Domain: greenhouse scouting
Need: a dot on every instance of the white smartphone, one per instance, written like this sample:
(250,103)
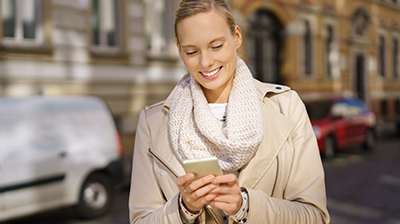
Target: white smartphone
(202,167)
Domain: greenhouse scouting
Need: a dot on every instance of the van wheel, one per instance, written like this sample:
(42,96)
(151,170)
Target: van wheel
(95,197)
(369,143)
(329,148)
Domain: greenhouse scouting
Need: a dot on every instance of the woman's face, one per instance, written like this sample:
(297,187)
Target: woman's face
(208,49)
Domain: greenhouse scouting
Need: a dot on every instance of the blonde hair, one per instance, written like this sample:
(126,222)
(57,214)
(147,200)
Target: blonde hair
(192,7)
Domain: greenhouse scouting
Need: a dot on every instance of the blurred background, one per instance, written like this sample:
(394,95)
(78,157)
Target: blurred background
(123,52)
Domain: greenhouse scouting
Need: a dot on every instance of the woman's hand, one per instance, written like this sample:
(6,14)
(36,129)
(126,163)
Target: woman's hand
(228,196)
(197,193)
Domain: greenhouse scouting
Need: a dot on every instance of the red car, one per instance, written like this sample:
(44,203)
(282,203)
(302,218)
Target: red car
(340,123)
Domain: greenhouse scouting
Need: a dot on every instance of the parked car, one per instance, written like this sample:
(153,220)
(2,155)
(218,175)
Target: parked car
(57,152)
(340,123)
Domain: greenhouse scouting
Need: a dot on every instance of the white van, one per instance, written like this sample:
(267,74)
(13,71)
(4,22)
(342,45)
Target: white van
(57,152)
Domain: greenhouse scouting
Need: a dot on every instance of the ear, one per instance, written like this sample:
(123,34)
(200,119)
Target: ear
(238,37)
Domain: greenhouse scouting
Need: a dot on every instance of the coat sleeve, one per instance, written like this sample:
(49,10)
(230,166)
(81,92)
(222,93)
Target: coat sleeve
(146,201)
(304,197)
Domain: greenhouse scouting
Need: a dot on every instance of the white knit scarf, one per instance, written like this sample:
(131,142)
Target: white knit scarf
(195,132)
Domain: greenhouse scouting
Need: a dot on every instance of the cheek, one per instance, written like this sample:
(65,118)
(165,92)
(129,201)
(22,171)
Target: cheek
(190,63)
(228,55)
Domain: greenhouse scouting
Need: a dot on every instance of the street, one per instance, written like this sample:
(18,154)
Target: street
(365,187)
(362,187)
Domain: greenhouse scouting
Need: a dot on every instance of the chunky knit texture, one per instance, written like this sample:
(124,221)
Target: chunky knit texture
(196,133)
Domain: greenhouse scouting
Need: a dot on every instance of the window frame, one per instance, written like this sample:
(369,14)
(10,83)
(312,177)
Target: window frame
(103,48)
(18,40)
(312,20)
(307,53)
(329,57)
(165,23)
(382,71)
(395,58)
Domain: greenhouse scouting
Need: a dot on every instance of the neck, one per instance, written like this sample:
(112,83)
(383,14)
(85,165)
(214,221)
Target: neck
(220,95)
(217,96)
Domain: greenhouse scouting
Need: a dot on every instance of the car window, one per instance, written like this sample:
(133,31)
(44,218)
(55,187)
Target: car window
(354,107)
(340,109)
(362,105)
(318,110)
(347,108)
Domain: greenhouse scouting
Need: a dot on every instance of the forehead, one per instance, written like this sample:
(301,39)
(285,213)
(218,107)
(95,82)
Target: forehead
(202,28)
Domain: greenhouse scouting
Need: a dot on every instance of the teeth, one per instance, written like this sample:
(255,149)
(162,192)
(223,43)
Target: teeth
(211,73)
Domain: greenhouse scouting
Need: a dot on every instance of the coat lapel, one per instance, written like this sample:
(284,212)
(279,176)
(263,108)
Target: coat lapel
(163,151)
(277,129)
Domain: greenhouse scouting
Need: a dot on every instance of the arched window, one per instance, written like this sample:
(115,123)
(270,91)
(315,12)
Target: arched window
(105,23)
(328,50)
(381,55)
(307,49)
(395,58)
(264,43)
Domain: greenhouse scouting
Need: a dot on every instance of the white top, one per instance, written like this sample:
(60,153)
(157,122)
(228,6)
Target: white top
(219,110)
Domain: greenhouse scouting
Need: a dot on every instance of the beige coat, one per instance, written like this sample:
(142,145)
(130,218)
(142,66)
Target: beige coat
(285,179)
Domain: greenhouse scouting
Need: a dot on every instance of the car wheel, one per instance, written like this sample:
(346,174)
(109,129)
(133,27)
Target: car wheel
(95,197)
(329,148)
(369,140)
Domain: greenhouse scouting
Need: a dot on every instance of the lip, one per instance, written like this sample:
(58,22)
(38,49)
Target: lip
(213,76)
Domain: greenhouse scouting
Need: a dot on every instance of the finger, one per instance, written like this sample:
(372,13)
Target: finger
(229,208)
(205,199)
(196,205)
(194,185)
(226,179)
(227,189)
(230,199)
(183,180)
(202,191)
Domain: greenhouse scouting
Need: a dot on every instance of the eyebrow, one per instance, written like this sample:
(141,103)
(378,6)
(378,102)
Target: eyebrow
(215,40)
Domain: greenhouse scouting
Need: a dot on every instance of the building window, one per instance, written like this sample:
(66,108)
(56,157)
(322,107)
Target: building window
(384,110)
(105,23)
(397,106)
(395,58)
(307,49)
(21,20)
(381,52)
(159,27)
(328,50)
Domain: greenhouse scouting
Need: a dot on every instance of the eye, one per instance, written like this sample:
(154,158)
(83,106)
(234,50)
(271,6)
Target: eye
(191,52)
(217,47)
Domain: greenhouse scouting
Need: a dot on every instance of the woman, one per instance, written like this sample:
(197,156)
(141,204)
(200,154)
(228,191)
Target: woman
(260,133)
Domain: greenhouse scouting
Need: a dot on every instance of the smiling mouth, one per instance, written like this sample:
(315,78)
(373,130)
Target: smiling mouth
(208,74)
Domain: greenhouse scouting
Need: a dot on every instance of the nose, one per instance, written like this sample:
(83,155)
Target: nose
(206,60)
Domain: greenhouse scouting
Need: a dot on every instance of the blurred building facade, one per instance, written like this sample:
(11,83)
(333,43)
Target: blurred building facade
(326,48)
(123,50)
(103,48)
